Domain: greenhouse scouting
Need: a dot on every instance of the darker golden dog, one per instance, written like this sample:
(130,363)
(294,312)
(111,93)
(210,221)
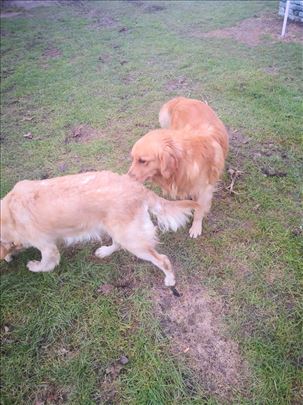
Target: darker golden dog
(186,157)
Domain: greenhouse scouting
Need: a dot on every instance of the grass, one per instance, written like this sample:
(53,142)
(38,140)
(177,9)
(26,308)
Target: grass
(116,63)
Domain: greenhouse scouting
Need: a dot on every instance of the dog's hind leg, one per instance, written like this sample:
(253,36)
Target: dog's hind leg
(161,261)
(139,238)
(104,251)
(204,199)
(50,259)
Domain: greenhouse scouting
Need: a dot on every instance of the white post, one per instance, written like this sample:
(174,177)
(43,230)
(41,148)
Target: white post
(285,18)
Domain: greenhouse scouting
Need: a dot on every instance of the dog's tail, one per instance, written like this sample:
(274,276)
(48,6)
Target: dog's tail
(170,215)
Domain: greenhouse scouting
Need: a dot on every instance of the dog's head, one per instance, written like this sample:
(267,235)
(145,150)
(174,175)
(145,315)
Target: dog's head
(7,244)
(153,155)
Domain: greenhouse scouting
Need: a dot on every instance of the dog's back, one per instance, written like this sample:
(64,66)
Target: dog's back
(65,206)
(190,114)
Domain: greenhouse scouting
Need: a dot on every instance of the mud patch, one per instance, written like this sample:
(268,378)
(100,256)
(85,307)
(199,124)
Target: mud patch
(99,19)
(104,22)
(50,394)
(108,385)
(136,3)
(29,4)
(193,323)
(240,147)
(10,14)
(254,31)
(274,275)
(51,53)
(82,134)
(179,83)
(154,9)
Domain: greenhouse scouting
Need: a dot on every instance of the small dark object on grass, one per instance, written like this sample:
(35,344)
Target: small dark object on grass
(44,176)
(123,360)
(63,167)
(272,172)
(175,292)
(113,371)
(298,231)
(152,9)
(29,135)
(123,284)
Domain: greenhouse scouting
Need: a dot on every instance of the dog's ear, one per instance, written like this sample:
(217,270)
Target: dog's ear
(168,163)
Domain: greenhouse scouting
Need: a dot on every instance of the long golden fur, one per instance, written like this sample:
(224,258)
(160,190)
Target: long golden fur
(186,157)
(86,206)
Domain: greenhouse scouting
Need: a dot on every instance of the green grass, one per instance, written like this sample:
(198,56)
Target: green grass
(117,64)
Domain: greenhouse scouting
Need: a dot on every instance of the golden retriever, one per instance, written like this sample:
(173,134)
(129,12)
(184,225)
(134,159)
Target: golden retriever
(186,157)
(86,206)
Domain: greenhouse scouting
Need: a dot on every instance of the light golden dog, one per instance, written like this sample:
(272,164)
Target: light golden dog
(86,206)
(186,158)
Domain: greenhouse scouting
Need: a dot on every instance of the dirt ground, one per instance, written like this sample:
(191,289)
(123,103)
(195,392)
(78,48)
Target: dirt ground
(253,31)
(194,324)
(29,4)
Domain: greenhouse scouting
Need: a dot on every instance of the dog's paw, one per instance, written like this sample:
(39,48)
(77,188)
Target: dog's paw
(105,251)
(170,280)
(8,258)
(195,230)
(34,265)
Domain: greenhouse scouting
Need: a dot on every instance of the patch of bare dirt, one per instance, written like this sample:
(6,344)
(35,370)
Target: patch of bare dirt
(274,275)
(129,78)
(52,53)
(271,70)
(10,14)
(104,22)
(154,8)
(29,4)
(105,58)
(99,19)
(239,148)
(108,391)
(194,325)
(254,31)
(179,83)
(50,394)
(136,3)
(82,134)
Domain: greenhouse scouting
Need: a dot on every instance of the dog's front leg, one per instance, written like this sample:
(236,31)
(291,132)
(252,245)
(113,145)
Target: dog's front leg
(50,259)
(104,251)
(8,258)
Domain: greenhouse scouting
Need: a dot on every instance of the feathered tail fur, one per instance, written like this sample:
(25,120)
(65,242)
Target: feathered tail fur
(170,215)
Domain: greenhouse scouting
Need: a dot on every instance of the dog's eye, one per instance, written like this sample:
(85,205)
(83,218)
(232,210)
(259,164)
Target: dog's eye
(142,161)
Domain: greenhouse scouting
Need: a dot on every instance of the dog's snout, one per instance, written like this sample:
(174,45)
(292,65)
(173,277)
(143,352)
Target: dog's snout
(132,172)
